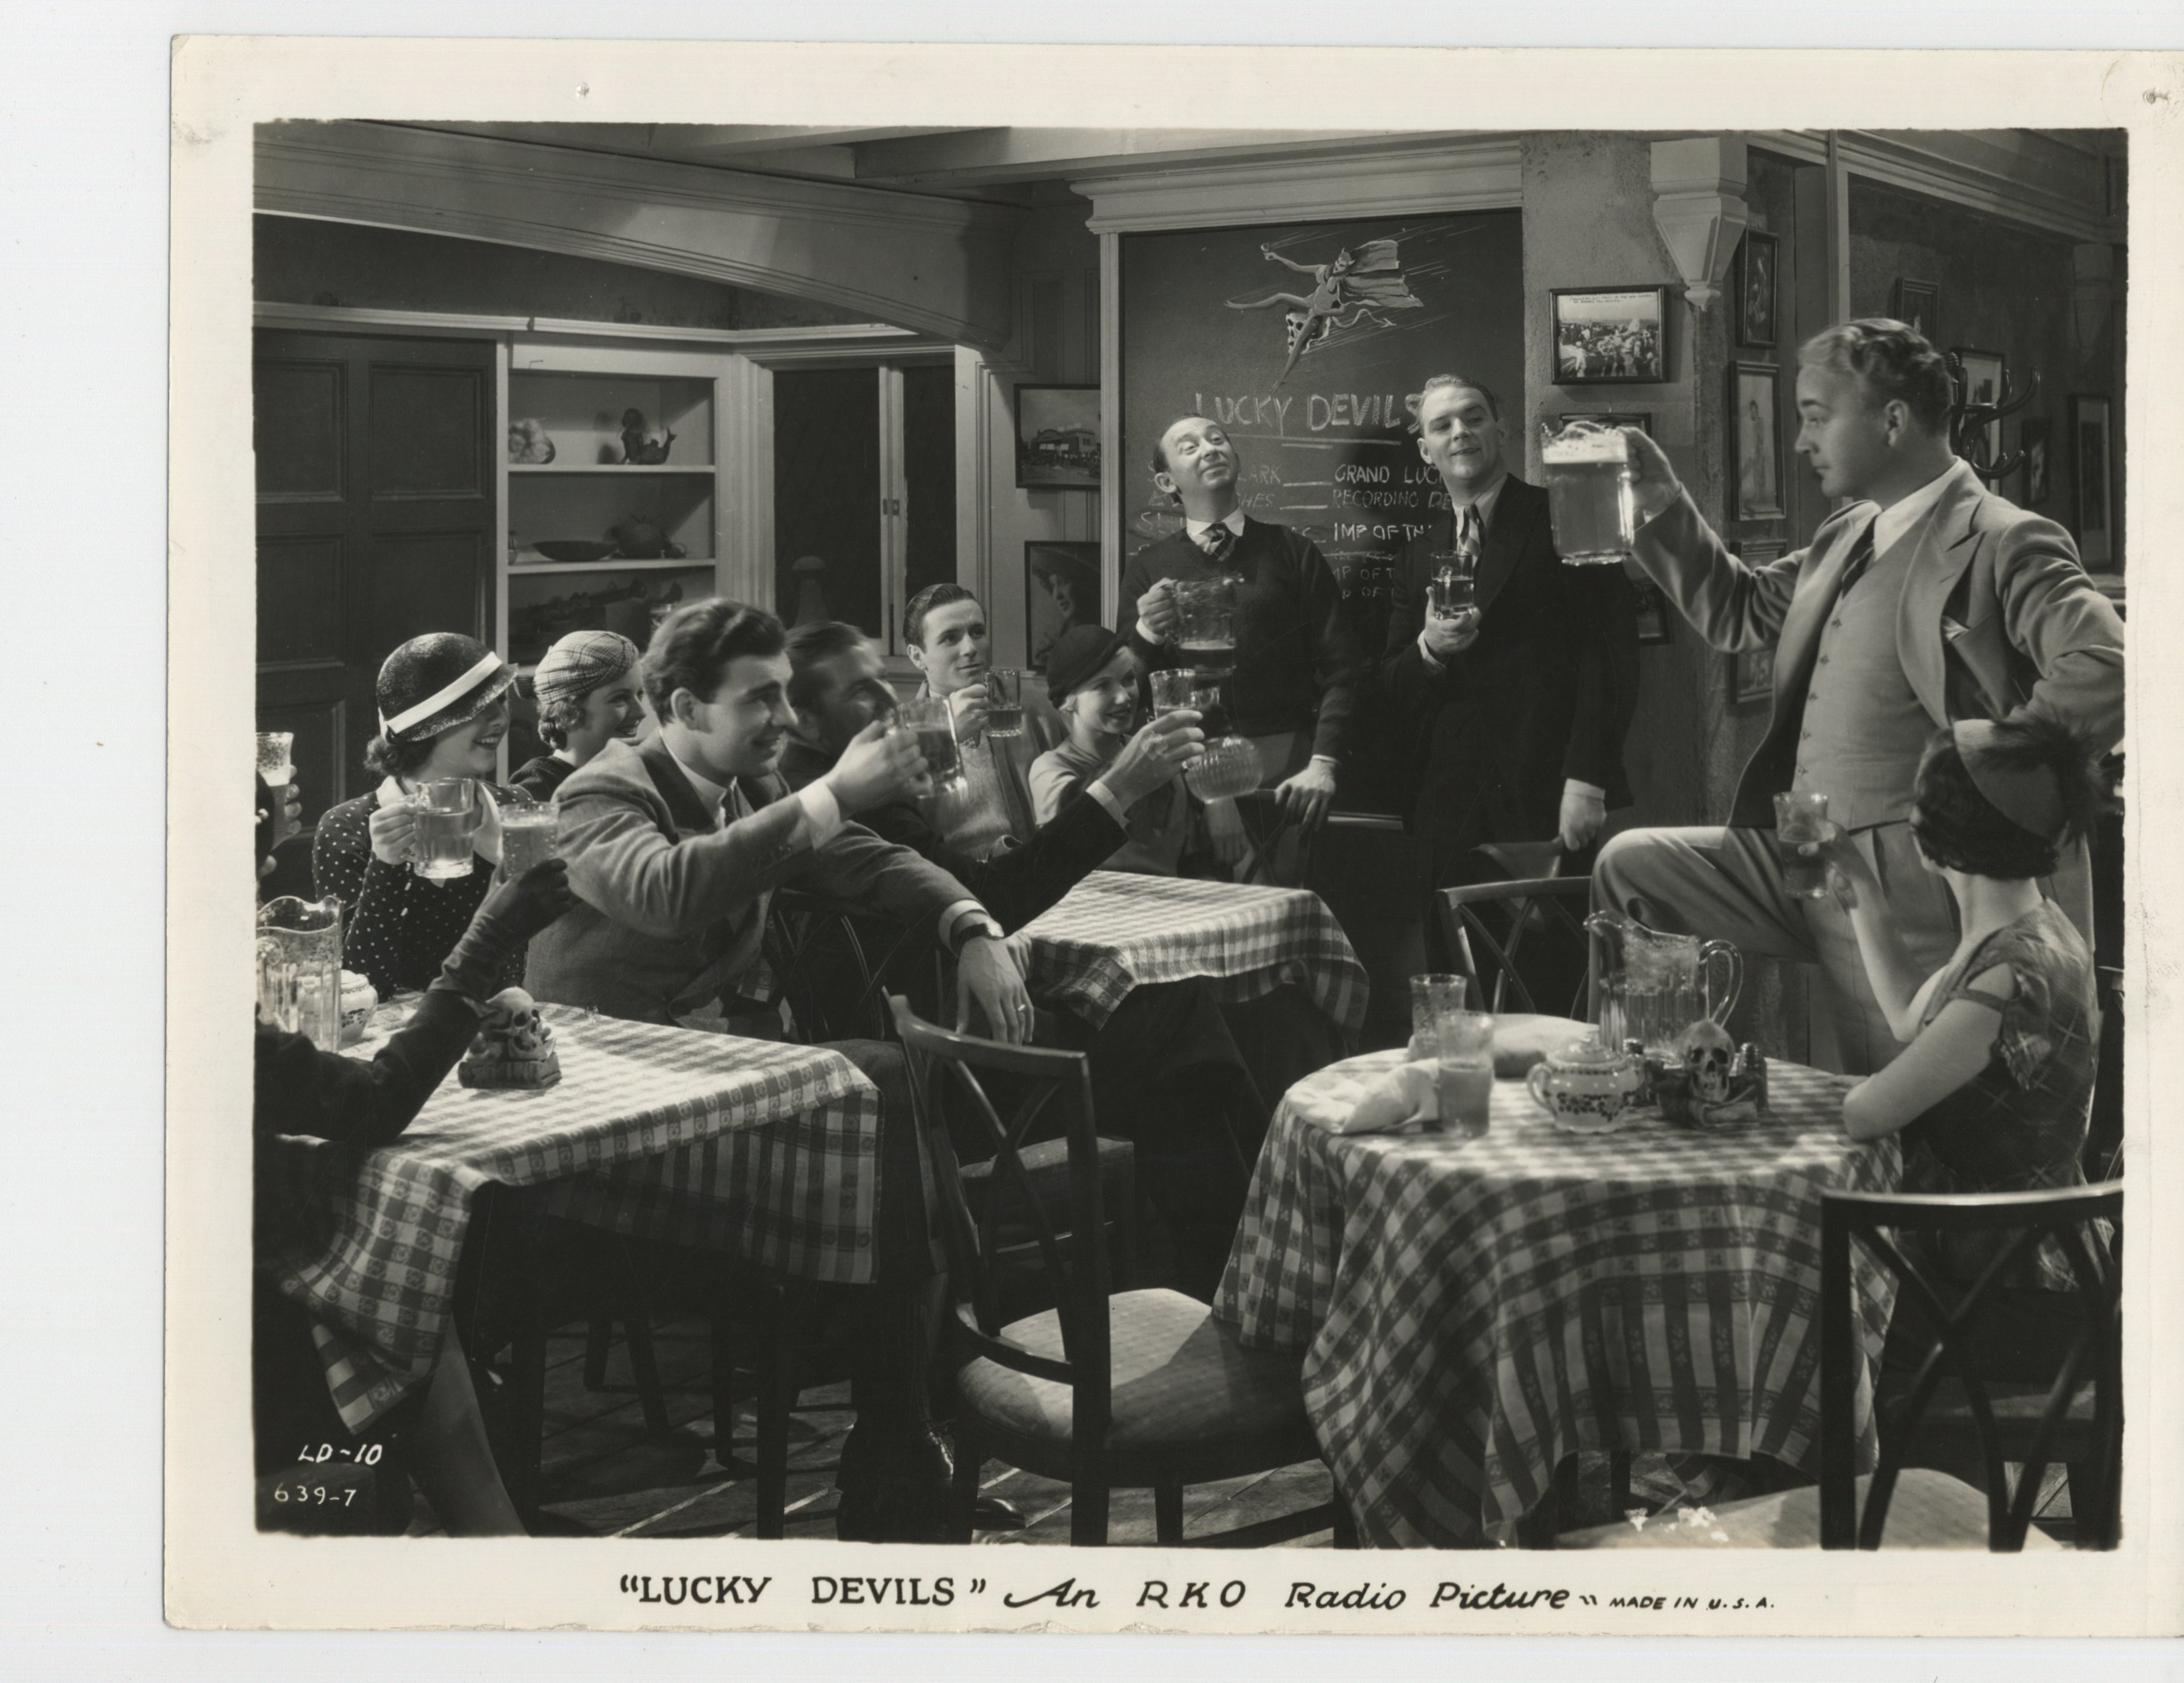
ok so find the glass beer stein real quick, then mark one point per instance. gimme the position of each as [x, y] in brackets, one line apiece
[1208, 635]
[1589, 496]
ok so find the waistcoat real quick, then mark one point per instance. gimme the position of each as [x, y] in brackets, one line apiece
[1865, 726]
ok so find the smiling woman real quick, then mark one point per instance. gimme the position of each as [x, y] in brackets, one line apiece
[443, 711]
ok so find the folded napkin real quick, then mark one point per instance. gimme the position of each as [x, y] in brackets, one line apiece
[1388, 1100]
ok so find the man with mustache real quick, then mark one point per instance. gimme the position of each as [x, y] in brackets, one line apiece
[1296, 676]
[674, 849]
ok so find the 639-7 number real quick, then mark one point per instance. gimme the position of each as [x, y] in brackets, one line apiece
[314, 1495]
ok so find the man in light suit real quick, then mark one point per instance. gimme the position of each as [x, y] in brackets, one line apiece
[675, 847]
[1926, 599]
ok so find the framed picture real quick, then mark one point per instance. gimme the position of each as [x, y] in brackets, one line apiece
[1655, 615]
[1986, 377]
[1754, 404]
[1062, 589]
[2032, 441]
[2090, 480]
[1918, 306]
[1755, 289]
[1611, 336]
[1639, 418]
[1058, 438]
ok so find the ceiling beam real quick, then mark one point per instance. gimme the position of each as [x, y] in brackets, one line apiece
[940, 266]
[969, 155]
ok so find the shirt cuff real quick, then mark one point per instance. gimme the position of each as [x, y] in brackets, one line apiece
[1107, 798]
[1577, 786]
[1147, 634]
[1327, 760]
[822, 813]
[1433, 663]
[955, 912]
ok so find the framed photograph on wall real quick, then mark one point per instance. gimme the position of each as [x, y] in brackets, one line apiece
[1755, 480]
[1610, 336]
[1755, 268]
[2092, 470]
[2033, 440]
[1058, 438]
[1639, 418]
[1986, 378]
[1062, 589]
[1918, 306]
[1656, 618]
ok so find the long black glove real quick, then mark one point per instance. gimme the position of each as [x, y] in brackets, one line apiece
[512, 914]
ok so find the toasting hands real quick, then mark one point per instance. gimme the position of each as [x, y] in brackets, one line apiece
[1445, 638]
[1654, 482]
[1151, 758]
[881, 764]
[1156, 612]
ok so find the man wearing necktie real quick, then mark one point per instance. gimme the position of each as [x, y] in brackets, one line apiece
[1296, 668]
[1514, 708]
[1926, 599]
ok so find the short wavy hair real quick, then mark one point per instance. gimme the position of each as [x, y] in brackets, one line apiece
[694, 645]
[1893, 359]
[932, 596]
[1957, 827]
[809, 645]
[1416, 402]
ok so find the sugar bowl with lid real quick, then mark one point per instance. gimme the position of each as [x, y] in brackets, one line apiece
[1587, 1088]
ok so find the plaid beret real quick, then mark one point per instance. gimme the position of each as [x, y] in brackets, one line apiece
[579, 663]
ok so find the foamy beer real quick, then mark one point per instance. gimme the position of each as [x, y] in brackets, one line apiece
[1590, 498]
[1207, 610]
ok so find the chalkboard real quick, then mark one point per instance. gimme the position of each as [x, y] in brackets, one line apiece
[1305, 355]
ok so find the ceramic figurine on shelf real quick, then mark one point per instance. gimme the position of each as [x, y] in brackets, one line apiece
[638, 449]
[528, 446]
[514, 1047]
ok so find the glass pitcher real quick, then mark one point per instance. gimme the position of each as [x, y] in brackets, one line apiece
[1230, 766]
[1591, 499]
[300, 955]
[1651, 987]
[1206, 608]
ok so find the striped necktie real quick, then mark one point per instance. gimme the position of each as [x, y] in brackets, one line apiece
[1466, 530]
[1216, 540]
[1861, 557]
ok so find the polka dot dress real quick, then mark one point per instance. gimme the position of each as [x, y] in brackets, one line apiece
[398, 928]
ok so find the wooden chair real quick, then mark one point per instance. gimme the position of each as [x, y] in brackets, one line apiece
[1530, 914]
[1140, 1389]
[2074, 1415]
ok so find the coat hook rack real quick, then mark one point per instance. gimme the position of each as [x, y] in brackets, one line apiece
[1968, 421]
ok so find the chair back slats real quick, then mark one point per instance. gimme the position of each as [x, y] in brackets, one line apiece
[1535, 908]
[801, 929]
[1952, 1316]
[1075, 1261]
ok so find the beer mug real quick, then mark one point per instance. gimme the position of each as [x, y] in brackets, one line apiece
[448, 816]
[1590, 499]
[1207, 610]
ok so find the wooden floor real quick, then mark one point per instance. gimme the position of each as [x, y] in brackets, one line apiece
[603, 1475]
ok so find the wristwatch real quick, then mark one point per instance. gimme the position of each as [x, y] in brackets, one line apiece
[971, 927]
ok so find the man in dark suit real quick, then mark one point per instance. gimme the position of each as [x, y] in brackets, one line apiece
[675, 847]
[1518, 705]
[1167, 1072]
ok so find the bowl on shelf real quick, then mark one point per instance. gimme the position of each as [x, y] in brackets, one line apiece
[578, 549]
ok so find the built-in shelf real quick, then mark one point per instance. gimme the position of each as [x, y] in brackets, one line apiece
[625, 469]
[518, 568]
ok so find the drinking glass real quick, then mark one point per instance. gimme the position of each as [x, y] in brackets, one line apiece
[1230, 766]
[1450, 591]
[1800, 816]
[1003, 703]
[932, 721]
[299, 954]
[1174, 689]
[1590, 500]
[530, 834]
[447, 817]
[1463, 1079]
[276, 761]
[1207, 610]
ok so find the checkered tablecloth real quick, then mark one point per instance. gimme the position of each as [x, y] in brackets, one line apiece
[766, 1149]
[1116, 931]
[1471, 1312]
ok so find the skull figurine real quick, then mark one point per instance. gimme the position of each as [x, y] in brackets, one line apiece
[514, 1047]
[1709, 1056]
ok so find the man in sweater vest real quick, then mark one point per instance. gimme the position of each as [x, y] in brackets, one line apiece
[1295, 677]
[1925, 599]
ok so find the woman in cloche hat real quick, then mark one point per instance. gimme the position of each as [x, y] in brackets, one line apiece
[443, 711]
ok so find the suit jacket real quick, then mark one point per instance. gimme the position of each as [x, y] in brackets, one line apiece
[1997, 617]
[1015, 884]
[1545, 694]
[674, 901]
